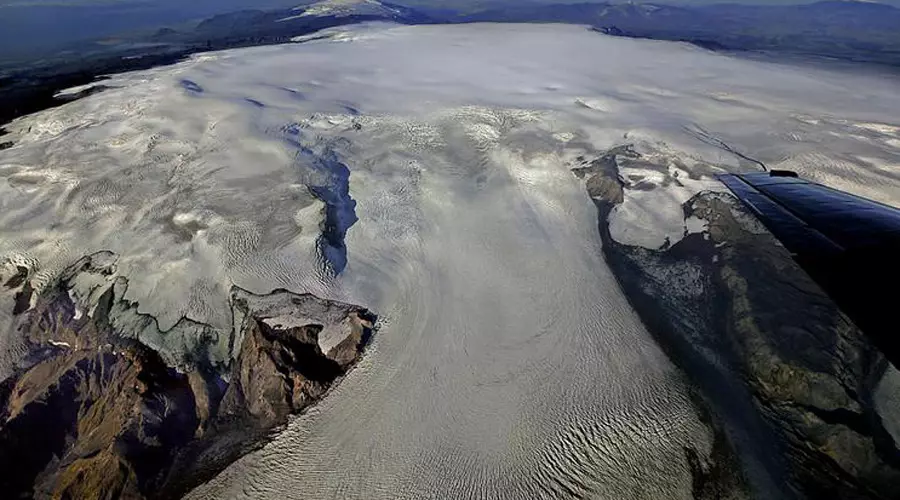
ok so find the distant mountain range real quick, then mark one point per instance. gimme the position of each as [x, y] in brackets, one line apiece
[847, 30]
[861, 31]
[31, 28]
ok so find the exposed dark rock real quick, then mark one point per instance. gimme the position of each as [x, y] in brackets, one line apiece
[16, 280]
[789, 376]
[23, 299]
[340, 208]
[610, 30]
[89, 91]
[94, 412]
[602, 177]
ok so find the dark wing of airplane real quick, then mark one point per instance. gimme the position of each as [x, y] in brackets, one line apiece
[849, 245]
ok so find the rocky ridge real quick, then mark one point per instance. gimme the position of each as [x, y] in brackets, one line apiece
[105, 405]
[800, 390]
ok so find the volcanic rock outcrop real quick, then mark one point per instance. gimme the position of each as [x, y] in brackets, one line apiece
[804, 395]
[106, 405]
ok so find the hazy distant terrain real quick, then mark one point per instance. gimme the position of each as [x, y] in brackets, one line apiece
[64, 50]
[30, 29]
[33, 29]
[854, 31]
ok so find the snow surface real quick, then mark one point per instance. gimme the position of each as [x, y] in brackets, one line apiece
[508, 363]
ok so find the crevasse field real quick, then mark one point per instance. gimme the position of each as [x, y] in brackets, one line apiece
[425, 173]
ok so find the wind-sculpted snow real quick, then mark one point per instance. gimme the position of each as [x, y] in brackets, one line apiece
[425, 173]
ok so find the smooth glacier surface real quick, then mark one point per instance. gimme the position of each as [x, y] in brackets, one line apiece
[508, 363]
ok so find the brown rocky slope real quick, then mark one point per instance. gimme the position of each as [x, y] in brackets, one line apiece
[94, 411]
[803, 395]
